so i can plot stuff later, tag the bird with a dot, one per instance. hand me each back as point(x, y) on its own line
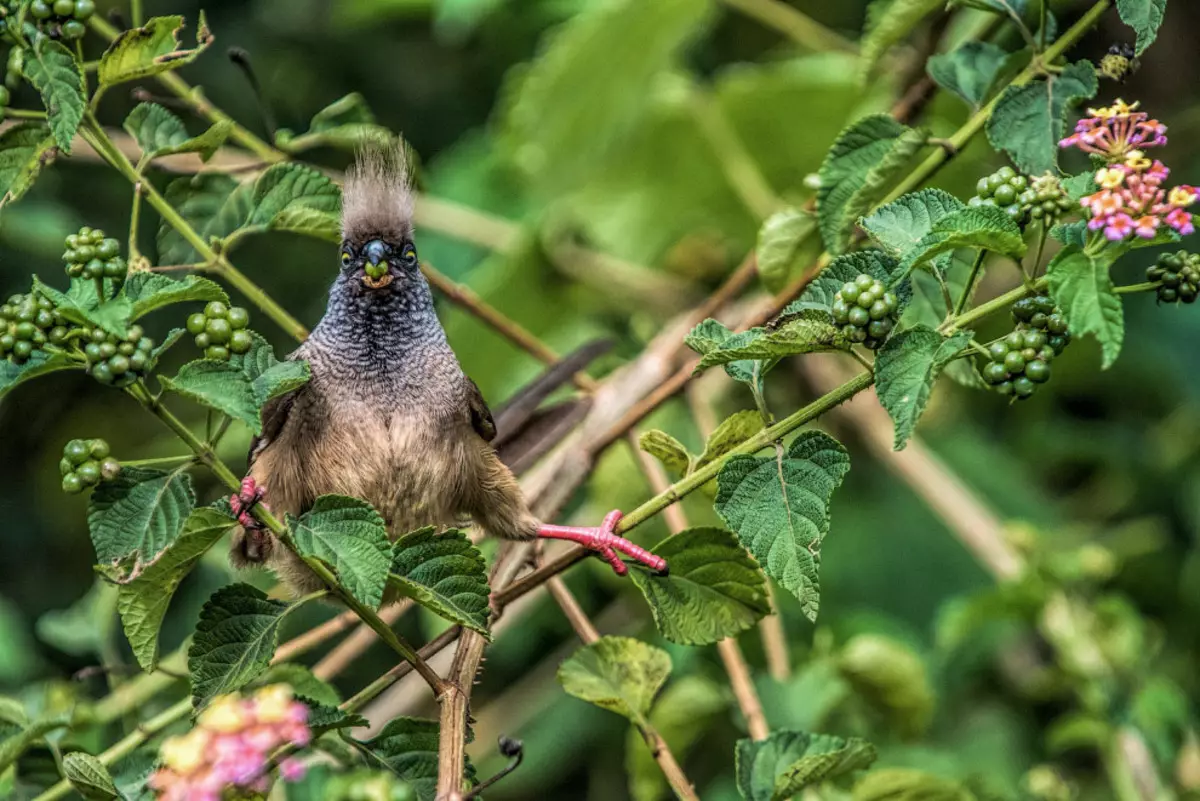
point(388, 414)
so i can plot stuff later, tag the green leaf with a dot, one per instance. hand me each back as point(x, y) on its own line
point(150, 50)
point(445, 573)
point(88, 776)
point(112, 315)
point(1079, 186)
point(317, 223)
point(214, 204)
point(808, 331)
point(291, 187)
point(25, 148)
point(409, 748)
point(1030, 120)
point(715, 590)
point(619, 674)
point(788, 761)
point(906, 368)
point(732, 432)
point(1144, 16)
point(132, 775)
point(344, 123)
point(160, 133)
point(1082, 288)
point(52, 70)
point(152, 291)
point(350, 536)
point(13, 746)
point(218, 385)
point(269, 377)
point(302, 681)
point(779, 507)
point(889, 27)
point(862, 157)
point(969, 71)
point(985, 227)
point(709, 336)
point(681, 716)
point(901, 224)
point(819, 293)
point(785, 247)
point(136, 516)
point(234, 641)
point(666, 449)
point(327, 717)
point(39, 364)
point(82, 629)
point(1012, 8)
point(907, 784)
point(891, 676)
point(142, 603)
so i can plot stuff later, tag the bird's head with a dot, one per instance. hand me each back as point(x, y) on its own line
point(377, 210)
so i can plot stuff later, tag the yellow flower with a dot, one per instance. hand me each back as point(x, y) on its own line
point(1181, 196)
point(223, 715)
point(1119, 108)
point(1136, 160)
point(1110, 178)
point(185, 753)
point(273, 703)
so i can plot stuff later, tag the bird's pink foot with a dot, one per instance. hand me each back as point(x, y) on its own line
point(606, 544)
point(244, 500)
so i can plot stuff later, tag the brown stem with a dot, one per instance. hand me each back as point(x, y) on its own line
point(774, 638)
point(351, 648)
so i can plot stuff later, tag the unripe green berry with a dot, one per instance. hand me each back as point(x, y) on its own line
point(1014, 362)
point(64, 8)
point(65, 466)
point(1037, 371)
point(240, 342)
point(119, 364)
point(40, 9)
point(84, 9)
point(89, 472)
point(203, 340)
point(997, 351)
point(238, 318)
point(108, 350)
point(218, 330)
point(216, 309)
point(994, 373)
point(22, 351)
point(1023, 387)
point(98, 449)
point(73, 29)
point(196, 323)
point(77, 451)
point(71, 484)
point(217, 353)
point(92, 352)
point(858, 316)
point(102, 373)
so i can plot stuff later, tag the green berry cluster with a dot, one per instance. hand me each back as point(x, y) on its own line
point(24, 323)
point(90, 254)
point(220, 330)
point(85, 463)
point(62, 18)
point(1002, 189)
point(117, 361)
point(865, 310)
point(1180, 277)
point(1045, 200)
point(1020, 361)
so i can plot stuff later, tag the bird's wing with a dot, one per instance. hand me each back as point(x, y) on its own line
point(480, 414)
point(275, 415)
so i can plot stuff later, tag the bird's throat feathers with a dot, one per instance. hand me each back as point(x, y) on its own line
point(394, 323)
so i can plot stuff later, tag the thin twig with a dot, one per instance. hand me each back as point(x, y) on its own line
point(792, 23)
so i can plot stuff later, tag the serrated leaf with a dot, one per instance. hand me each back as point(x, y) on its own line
point(132, 775)
point(709, 336)
point(906, 368)
point(788, 761)
point(344, 123)
point(808, 331)
point(785, 246)
point(445, 573)
point(715, 590)
point(907, 784)
point(852, 166)
point(234, 641)
point(142, 603)
point(666, 449)
point(40, 363)
point(779, 508)
point(136, 516)
point(88, 776)
point(218, 385)
point(732, 432)
point(317, 223)
point(889, 27)
point(820, 292)
point(619, 674)
point(52, 70)
point(968, 71)
point(1082, 288)
point(1029, 121)
point(290, 187)
point(409, 748)
point(681, 717)
point(158, 132)
point(112, 315)
point(350, 536)
point(1079, 186)
point(269, 377)
point(154, 48)
point(878, 180)
point(901, 224)
point(152, 291)
point(890, 676)
point(214, 204)
point(1145, 17)
point(325, 717)
point(302, 681)
point(984, 227)
point(25, 148)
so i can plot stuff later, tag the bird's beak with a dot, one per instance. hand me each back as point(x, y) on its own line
point(376, 274)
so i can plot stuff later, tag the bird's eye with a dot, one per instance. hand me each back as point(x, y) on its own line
point(410, 254)
point(345, 258)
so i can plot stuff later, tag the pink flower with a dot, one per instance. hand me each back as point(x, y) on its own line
point(1117, 132)
point(292, 770)
point(1181, 221)
point(1118, 227)
point(1146, 227)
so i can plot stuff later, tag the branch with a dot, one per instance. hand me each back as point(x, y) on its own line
point(801, 29)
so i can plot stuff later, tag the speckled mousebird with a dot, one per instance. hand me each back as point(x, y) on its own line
point(388, 415)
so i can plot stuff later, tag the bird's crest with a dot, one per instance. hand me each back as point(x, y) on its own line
point(377, 201)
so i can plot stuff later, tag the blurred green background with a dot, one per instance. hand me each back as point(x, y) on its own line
point(1110, 458)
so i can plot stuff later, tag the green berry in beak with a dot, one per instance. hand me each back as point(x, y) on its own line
point(376, 271)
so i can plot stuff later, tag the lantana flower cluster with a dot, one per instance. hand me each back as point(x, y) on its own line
point(1132, 200)
point(231, 746)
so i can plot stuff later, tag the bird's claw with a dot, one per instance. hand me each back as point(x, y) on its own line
point(243, 502)
point(608, 545)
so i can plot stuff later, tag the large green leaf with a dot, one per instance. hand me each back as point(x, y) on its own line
point(213, 203)
point(445, 573)
point(969, 71)
point(786, 246)
point(112, 315)
point(891, 676)
point(888, 27)
point(218, 385)
point(906, 368)
point(1144, 16)
point(779, 507)
point(901, 224)
point(350, 536)
point(88, 776)
point(788, 761)
point(1030, 120)
point(681, 716)
point(345, 123)
point(710, 336)
point(984, 227)
point(409, 748)
point(25, 148)
point(134, 517)
point(234, 641)
point(40, 363)
point(52, 70)
point(141, 52)
point(819, 293)
point(620, 674)
point(142, 603)
point(809, 331)
point(160, 133)
point(269, 378)
point(1083, 290)
point(907, 784)
point(290, 187)
point(152, 291)
point(715, 590)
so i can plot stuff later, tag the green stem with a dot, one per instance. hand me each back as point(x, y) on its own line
point(135, 13)
point(1041, 249)
point(969, 287)
point(992, 306)
point(1145, 286)
point(741, 171)
point(24, 114)
point(800, 28)
point(135, 216)
point(135, 693)
point(159, 460)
